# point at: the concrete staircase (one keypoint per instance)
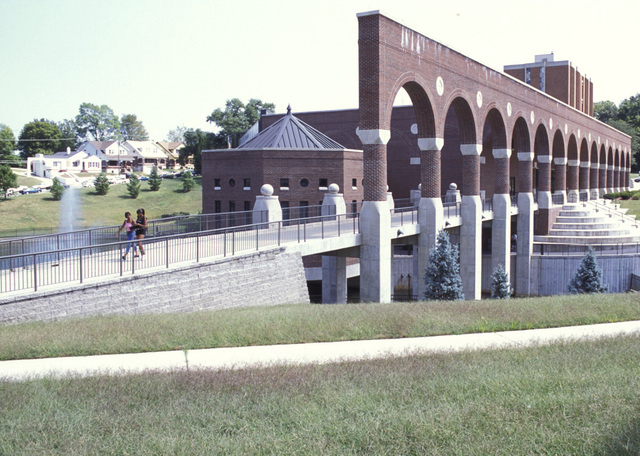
(591, 223)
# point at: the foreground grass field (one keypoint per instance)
(566, 399)
(27, 212)
(306, 323)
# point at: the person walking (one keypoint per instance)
(140, 227)
(131, 233)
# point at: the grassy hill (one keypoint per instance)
(36, 211)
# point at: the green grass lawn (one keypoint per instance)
(306, 323)
(28, 212)
(633, 207)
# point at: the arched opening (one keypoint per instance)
(521, 177)
(541, 161)
(559, 165)
(584, 170)
(572, 170)
(459, 130)
(594, 177)
(494, 174)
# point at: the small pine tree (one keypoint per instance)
(8, 179)
(442, 277)
(155, 180)
(57, 189)
(102, 184)
(133, 187)
(188, 182)
(588, 278)
(500, 286)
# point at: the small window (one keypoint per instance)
(232, 206)
(304, 182)
(232, 183)
(285, 210)
(354, 183)
(218, 206)
(247, 205)
(284, 183)
(216, 184)
(323, 183)
(247, 183)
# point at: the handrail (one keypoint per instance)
(31, 271)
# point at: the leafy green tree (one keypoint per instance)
(237, 118)
(177, 134)
(588, 277)
(155, 181)
(188, 182)
(131, 128)
(500, 286)
(195, 142)
(69, 132)
(442, 277)
(102, 184)
(8, 179)
(7, 142)
(625, 118)
(97, 123)
(134, 185)
(605, 111)
(57, 189)
(629, 110)
(39, 137)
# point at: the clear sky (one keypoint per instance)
(173, 62)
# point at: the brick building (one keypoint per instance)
(297, 160)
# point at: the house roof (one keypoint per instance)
(291, 133)
(70, 154)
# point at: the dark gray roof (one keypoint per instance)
(291, 133)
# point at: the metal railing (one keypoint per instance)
(32, 271)
(611, 208)
(550, 249)
(557, 199)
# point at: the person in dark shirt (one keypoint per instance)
(141, 229)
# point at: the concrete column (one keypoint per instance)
(375, 220)
(524, 233)
(267, 207)
(573, 194)
(594, 181)
(545, 201)
(471, 229)
(430, 211)
(501, 224)
(561, 177)
(334, 268)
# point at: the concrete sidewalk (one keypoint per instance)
(324, 352)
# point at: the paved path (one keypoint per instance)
(324, 352)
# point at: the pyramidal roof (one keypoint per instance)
(291, 133)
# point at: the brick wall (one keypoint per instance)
(251, 280)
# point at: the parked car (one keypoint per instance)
(31, 190)
(637, 179)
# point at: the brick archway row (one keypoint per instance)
(438, 79)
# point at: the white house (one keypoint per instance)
(50, 166)
(115, 156)
(148, 154)
(172, 150)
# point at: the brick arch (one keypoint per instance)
(594, 175)
(584, 175)
(610, 165)
(559, 166)
(425, 115)
(616, 169)
(466, 121)
(542, 157)
(495, 173)
(521, 144)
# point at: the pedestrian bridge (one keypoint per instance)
(36, 263)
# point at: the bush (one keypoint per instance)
(155, 180)
(442, 278)
(57, 189)
(188, 182)
(133, 187)
(500, 286)
(102, 184)
(588, 278)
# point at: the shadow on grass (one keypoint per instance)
(627, 441)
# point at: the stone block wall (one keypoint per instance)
(261, 279)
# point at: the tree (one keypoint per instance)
(133, 187)
(237, 117)
(625, 118)
(442, 277)
(132, 128)
(101, 184)
(7, 142)
(69, 132)
(195, 142)
(97, 123)
(177, 134)
(188, 182)
(8, 179)
(500, 286)
(39, 137)
(588, 277)
(57, 189)
(605, 111)
(155, 180)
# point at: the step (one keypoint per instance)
(593, 240)
(585, 226)
(592, 233)
(595, 219)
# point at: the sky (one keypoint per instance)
(171, 63)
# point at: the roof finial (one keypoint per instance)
(289, 109)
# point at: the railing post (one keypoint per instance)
(322, 226)
(279, 232)
(197, 248)
(224, 242)
(298, 223)
(166, 249)
(305, 232)
(35, 274)
(233, 243)
(80, 263)
(257, 241)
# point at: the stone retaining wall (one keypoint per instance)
(261, 279)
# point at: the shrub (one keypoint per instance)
(500, 286)
(57, 189)
(588, 278)
(188, 182)
(155, 180)
(102, 184)
(442, 276)
(133, 187)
